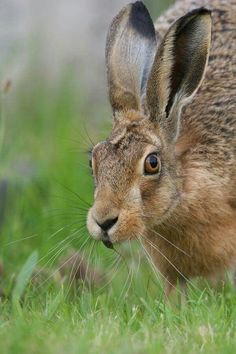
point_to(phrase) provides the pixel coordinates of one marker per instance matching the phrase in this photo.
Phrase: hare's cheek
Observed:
(134, 194)
(149, 190)
(153, 200)
(130, 225)
(93, 227)
(133, 202)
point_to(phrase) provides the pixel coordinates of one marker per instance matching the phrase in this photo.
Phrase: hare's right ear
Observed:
(130, 51)
(178, 69)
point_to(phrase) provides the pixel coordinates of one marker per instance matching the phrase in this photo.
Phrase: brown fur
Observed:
(186, 216)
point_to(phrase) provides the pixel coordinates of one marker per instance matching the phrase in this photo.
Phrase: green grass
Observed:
(44, 166)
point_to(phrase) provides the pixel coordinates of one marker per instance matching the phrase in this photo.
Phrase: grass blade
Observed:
(24, 277)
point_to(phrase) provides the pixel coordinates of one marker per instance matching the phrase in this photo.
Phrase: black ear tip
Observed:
(138, 4)
(201, 11)
(140, 19)
(138, 8)
(192, 16)
(205, 11)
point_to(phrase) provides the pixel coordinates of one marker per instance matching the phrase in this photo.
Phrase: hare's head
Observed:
(135, 168)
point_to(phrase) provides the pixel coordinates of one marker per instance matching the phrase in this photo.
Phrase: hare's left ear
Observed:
(178, 69)
(130, 51)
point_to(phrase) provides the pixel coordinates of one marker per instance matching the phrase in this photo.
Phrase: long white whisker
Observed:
(154, 268)
(171, 243)
(61, 243)
(61, 266)
(86, 272)
(115, 267)
(129, 277)
(132, 273)
(16, 241)
(166, 258)
(171, 263)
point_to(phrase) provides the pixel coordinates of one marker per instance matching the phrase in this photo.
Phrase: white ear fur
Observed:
(130, 51)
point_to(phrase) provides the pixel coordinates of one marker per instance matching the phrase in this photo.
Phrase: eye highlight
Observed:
(152, 164)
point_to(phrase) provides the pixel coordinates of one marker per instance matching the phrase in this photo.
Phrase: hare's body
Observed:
(204, 223)
(166, 178)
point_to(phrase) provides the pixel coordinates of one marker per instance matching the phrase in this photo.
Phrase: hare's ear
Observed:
(130, 51)
(178, 68)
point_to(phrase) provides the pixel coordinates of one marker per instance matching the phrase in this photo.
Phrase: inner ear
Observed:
(130, 50)
(190, 55)
(179, 64)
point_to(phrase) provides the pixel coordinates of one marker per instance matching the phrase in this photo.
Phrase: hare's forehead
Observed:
(127, 146)
(106, 151)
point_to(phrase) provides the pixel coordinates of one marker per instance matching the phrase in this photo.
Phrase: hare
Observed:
(166, 175)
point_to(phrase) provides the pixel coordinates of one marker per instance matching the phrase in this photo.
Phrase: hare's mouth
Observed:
(120, 230)
(108, 244)
(106, 240)
(102, 232)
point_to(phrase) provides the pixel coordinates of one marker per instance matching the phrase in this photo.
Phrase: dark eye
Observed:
(152, 164)
(90, 163)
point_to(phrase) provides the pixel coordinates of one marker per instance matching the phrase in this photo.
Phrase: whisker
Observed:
(63, 228)
(73, 205)
(171, 263)
(122, 258)
(166, 258)
(139, 262)
(57, 254)
(78, 217)
(155, 269)
(16, 241)
(87, 134)
(129, 276)
(75, 194)
(113, 270)
(66, 241)
(87, 267)
(171, 243)
(60, 249)
(72, 274)
(62, 265)
(132, 272)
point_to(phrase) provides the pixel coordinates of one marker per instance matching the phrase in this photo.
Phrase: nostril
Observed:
(106, 225)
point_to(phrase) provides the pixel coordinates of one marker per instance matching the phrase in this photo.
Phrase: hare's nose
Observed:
(107, 224)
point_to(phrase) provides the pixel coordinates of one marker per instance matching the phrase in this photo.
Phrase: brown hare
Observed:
(166, 175)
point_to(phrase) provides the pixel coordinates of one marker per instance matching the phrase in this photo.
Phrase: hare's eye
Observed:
(90, 163)
(152, 164)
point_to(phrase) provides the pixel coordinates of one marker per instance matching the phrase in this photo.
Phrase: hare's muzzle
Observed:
(101, 224)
